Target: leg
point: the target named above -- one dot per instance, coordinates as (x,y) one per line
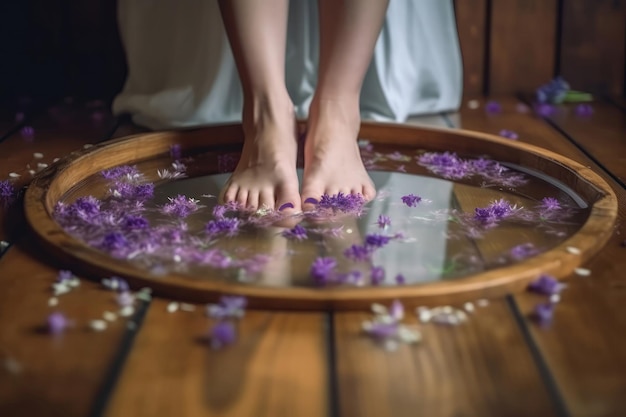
(348,33)
(266,173)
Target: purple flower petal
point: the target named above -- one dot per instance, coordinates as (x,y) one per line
(323,269)
(545,110)
(27,132)
(175,151)
(297,233)
(397,310)
(223,334)
(57,323)
(523,251)
(229,307)
(543,313)
(583,110)
(550,204)
(553,92)
(509,134)
(180,206)
(377,274)
(493,107)
(345,203)
(224,226)
(358,253)
(7,193)
(547,285)
(384,221)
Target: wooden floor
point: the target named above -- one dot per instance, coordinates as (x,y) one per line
(154,363)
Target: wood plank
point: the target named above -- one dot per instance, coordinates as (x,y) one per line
(471,16)
(480,368)
(522,44)
(584,348)
(60,130)
(52,375)
(277,367)
(601,135)
(593,45)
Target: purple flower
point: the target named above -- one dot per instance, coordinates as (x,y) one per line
(382,330)
(493,107)
(115,284)
(323,269)
(509,134)
(64,276)
(135,223)
(114,241)
(553,92)
(376,241)
(411,200)
(175,151)
(384,221)
(230,306)
(7,193)
(179,167)
(446,164)
(180,206)
(358,253)
(545,110)
(377,274)
(494,212)
(583,110)
(219,211)
(400,280)
(543,313)
(523,251)
(222,334)
(546,285)
(57,323)
(396,311)
(27,132)
(297,233)
(127,190)
(225,226)
(125,299)
(550,204)
(120,171)
(346,203)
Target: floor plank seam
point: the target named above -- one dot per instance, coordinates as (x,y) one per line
(104,394)
(539,360)
(573,141)
(610,100)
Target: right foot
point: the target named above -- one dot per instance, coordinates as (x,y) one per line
(266,175)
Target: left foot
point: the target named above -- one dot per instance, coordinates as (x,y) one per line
(332,160)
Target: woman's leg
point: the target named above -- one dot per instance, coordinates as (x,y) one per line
(348,33)
(266,173)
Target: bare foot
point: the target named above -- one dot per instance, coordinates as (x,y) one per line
(266,173)
(332,161)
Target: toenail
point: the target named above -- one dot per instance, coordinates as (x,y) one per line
(311,200)
(286,206)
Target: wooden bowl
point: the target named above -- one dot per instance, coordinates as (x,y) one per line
(53,183)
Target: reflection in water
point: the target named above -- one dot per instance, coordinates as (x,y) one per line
(438,239)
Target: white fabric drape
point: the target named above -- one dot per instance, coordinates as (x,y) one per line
(182,73)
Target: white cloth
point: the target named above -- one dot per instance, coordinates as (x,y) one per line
(181,71)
